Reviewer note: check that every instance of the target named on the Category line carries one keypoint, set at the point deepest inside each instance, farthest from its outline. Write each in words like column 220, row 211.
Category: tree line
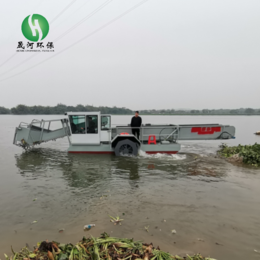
column 240, row 111
column 61, row 109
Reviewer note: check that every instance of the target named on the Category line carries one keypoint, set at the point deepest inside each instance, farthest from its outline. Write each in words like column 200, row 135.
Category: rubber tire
column 129, row 143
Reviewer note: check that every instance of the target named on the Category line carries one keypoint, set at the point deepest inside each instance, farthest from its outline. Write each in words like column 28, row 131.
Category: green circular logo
column 35, row 27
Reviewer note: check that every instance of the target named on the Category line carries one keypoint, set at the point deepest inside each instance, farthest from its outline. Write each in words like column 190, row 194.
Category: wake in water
column 162, row 155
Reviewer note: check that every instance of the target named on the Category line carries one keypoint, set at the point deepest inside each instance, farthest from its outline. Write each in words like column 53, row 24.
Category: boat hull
column 171, row 148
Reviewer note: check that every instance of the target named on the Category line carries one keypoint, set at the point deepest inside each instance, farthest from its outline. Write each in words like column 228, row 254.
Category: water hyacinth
column 104, row 247
column 116, row 220
column 249, row 154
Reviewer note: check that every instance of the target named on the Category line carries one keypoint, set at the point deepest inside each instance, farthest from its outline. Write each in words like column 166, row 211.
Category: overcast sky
column 164, row 54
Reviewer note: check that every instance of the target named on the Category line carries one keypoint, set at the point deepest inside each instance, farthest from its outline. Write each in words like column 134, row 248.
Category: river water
column 213, row 205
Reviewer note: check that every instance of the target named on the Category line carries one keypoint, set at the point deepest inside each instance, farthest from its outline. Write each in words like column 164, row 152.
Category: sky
column 162, row 54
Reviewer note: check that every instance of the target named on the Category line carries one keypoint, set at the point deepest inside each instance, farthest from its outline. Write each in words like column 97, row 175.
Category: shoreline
column 103, row 247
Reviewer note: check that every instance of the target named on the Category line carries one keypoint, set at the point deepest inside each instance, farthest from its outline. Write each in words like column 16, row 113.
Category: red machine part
column 124, row 134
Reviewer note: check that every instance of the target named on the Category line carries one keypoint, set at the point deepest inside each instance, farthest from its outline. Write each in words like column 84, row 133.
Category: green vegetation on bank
column 248, row 154
column 61, row 109
column 105, row 247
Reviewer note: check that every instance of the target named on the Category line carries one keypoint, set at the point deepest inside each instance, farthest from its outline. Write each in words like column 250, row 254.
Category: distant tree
column 80, row 108
column 21, row 110
column 13, row 111
column 234, row 111
column 249, row 111
column 195, row 111
column 4, row 110
column 59, row 109
column 205, row 111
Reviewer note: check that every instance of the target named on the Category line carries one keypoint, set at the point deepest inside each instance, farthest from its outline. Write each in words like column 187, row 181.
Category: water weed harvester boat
column 92, row 132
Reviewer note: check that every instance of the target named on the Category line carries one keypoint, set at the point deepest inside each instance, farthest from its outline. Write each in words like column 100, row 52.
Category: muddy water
column 214, row 206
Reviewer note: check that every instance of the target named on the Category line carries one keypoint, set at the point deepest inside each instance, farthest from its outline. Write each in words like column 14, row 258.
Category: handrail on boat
column 174, row 133
column 23, row 124
column 170, row 126
column 51, row 120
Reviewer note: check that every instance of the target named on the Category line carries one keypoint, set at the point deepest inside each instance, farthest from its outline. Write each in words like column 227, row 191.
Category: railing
column 174, row 134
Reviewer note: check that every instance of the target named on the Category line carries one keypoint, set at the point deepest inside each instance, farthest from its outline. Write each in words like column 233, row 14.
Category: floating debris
column 61, row 230
column 248, row 154
column 35, row 221
column 89, row 226
column 146, row 229
column 174, row 231
column 104, row 247
column 199, row 239
column 116, row 220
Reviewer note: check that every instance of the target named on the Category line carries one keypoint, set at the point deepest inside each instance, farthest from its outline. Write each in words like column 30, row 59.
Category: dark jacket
column 136, row 121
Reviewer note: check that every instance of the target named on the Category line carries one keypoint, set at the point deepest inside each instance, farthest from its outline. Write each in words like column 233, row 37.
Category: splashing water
column 162, row 155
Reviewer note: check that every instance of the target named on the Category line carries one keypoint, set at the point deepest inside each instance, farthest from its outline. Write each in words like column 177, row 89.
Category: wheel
column 126, row 147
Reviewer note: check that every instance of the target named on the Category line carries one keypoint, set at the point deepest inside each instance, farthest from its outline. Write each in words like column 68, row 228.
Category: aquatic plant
column 104, row 247
column 249, row 154
column 116, row 220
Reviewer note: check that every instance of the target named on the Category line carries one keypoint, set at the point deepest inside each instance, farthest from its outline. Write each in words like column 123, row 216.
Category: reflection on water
column 198, row 195
column 81, row 171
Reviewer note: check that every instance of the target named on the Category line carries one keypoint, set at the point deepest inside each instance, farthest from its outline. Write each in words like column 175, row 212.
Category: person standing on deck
column 136, row 122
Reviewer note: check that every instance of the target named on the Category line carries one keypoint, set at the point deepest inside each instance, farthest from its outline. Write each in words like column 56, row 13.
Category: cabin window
column 78, row 124
column 92, row 124
column 105, row 123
